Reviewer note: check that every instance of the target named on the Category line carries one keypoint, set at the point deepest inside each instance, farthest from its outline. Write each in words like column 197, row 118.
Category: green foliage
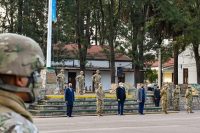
column 138, row 25
column 32, row 20
column 151, row 75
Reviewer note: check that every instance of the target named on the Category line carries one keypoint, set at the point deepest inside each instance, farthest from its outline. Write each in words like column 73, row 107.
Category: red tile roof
column 168, row 63
column 94, row 52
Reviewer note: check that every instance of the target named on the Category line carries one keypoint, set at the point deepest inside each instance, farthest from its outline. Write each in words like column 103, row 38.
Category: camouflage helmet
column 19, row 55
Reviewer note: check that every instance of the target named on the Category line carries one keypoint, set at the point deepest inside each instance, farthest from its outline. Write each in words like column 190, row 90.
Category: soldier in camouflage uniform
column 61, row 80
column 189, row 98
column 81, row 81
column 96, row 78
column 21, row 58
column 99, row 98
column 164, row 98
column 176, row 98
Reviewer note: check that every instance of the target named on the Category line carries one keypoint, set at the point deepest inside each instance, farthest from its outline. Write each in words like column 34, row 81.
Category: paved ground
column 149, row 123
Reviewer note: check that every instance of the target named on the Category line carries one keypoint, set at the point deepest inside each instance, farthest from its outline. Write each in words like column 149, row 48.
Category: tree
column 192, row 32
column 168, row 22
column 151, row 75
column 113, row 8
column 134, row 32
column 25, row 17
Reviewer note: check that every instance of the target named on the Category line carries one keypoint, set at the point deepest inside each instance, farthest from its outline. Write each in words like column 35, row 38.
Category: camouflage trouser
column 99, row 107
column 80, row 89
column 96, row 86
column 189, row 105
column 61, row 86
column 164, row 105
column 176, row 104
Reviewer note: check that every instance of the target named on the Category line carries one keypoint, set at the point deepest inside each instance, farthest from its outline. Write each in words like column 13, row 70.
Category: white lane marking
column 107, row 129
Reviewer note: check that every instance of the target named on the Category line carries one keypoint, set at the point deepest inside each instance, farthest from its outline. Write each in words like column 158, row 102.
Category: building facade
column 187, row 67
column 97, row 59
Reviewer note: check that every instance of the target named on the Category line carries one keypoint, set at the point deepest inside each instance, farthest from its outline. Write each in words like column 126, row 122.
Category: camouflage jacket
column 176, row 93
column 96, row 78
column 80, row 79
column 164, row 94
column 188, row 94
column 99, row 94
column 13, row 116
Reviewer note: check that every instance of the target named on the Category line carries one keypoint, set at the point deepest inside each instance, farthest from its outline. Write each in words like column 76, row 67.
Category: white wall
column 186, row 60
column 88, row 79
column 129, row 78
column 105, row 75
column 106, row 80
column 94, row 63
column 123, row 64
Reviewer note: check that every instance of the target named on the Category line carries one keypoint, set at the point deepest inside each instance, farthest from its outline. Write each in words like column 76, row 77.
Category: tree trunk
column 141, row 55
column 134, row 52
column 78, row 33
column 111, row 39
column 197, row 59
column 20, row 10
column 176, row 49
column 102, row 29
column 135, row 65
column 87, row 36
column 12, row 10
column 112, row 62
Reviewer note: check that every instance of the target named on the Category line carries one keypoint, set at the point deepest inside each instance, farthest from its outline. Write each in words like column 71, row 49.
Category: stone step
column 106, row 105
column 87, row 106
column 90, row 111
column 82, row 101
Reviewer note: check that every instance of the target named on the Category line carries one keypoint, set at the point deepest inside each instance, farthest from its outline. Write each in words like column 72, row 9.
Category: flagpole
column 49, row 34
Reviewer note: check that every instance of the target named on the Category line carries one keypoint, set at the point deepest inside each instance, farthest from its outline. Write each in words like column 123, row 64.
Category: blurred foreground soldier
column 99, row 98
column 69, row 98
column 164, row 98
column 157, row 96
column 81, row 81
column 121, row 97
column 141, row 96
column 61, row 80
column 176, row 98
column 189, row 98
column 21, row 59
column 96, row 78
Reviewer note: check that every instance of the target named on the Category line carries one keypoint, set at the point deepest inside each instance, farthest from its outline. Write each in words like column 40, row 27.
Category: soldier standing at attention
column 21, row 59
column 61, row 80
column 176, row 97
column 81, row 81
column 164, row 98
column 189, row 98
column 99, row 98
column 96, row 78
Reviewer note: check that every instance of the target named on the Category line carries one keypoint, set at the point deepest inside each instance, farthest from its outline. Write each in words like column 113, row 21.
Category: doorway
column 72, row 79
column 185, row 75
